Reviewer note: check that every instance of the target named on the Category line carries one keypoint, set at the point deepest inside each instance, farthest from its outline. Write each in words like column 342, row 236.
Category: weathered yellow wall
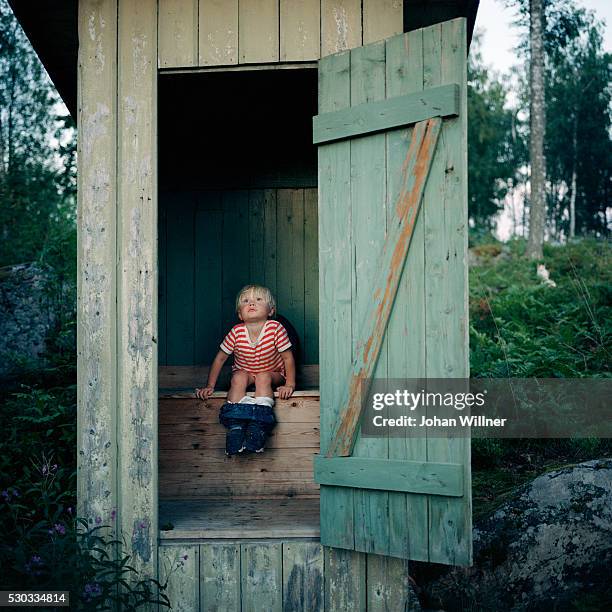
column 230, row 32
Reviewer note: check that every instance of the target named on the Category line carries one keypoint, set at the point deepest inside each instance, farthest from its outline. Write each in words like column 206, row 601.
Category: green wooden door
column 392, row 136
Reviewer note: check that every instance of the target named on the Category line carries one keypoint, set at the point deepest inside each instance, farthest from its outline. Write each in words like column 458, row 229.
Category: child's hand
column 286, row 391
column 204, row 393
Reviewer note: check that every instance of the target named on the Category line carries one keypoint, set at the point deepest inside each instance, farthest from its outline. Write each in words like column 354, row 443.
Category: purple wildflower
column 6, row 495
column 98, row 520
column 59, row 528
column 92, row 590
column 35, row 559
column 185, row 557
column 142, row 525
column 113, row 514
column 69, row 510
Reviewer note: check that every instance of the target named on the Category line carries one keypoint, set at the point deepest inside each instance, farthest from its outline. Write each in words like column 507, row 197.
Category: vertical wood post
column 96, row 278
column 137, row 279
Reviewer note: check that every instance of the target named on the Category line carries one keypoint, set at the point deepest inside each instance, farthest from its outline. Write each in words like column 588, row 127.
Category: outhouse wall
column 121, row 45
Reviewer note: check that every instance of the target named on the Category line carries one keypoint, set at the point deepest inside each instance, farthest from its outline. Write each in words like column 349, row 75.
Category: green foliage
column 43, row 545
column 37, row 158
column 496, row 150
column 520, row 327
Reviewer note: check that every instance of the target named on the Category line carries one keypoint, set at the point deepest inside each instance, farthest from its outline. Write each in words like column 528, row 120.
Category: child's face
column 253, row 308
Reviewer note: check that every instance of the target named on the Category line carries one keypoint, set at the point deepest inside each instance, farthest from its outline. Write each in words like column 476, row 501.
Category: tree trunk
column 537, row 211
column 572, row 211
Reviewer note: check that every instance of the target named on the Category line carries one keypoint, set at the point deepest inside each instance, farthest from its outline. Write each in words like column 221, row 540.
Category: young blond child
column 262, row 357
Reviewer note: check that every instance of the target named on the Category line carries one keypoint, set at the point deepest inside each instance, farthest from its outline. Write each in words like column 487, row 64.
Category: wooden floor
column 239, row 518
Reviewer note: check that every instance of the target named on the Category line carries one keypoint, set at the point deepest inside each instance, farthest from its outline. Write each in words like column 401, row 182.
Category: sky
column 500, row 36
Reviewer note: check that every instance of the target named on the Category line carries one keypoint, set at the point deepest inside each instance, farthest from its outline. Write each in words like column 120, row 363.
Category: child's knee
column 240, row 379
column 263, row 378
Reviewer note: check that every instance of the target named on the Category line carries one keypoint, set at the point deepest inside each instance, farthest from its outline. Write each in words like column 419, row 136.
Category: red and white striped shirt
column 263, row 355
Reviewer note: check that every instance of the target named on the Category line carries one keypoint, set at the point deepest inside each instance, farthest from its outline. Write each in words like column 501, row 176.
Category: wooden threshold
column 239, row 518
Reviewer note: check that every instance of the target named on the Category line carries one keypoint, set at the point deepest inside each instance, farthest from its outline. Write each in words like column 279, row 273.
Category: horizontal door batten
column 386, row 114
column 389, row 475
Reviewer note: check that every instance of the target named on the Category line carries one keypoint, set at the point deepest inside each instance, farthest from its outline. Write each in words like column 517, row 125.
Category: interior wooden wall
column 230, row 32
column 212, row 243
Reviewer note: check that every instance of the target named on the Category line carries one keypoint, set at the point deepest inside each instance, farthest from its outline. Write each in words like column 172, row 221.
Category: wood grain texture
column 340, row 25
column 368, row 219
column 365, row 473
column 179, row 565
column 259, row 31
column 220, row 577
column 382, row 19
column 137, row 280
column 345, row 579
column 447, row 330
column 303, row 584
column 178, row 33
column 218, row 32
column 96, row 276
column 311, row 278
column 262, row 583
column 406, row 328
column 388, row 584
column 335, row 297
column 300, row 30
column 386, row 114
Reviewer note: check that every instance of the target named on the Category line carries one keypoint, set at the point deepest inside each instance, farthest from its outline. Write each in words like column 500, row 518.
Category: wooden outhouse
column 200, row 170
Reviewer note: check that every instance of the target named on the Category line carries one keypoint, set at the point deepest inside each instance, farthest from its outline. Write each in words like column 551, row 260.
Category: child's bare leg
column 240, row 381
column 264, row 381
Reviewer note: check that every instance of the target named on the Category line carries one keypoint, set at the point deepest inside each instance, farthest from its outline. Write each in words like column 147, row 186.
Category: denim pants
column 255, row 423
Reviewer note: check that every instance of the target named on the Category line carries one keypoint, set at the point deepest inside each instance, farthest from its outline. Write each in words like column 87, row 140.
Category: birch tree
column 537, row 117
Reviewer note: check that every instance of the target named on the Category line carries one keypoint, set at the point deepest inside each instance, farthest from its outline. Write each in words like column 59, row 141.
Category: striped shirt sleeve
column 281, row 339
column 229, row 342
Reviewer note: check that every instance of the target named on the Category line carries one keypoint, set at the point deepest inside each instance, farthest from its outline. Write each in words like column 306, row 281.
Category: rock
column 27, row 315
column 549, row 546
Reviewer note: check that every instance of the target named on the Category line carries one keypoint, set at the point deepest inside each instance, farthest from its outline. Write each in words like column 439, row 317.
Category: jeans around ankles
column 258, row 420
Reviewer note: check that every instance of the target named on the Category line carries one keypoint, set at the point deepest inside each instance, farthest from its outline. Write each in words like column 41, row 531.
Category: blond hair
column 258, row 291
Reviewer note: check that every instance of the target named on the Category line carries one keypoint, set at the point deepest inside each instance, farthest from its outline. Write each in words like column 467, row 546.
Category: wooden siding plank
column 179, row 565
column 446, row 294
column 388, row 585
column 365, row 473
column 235, row 253
column 215, row 460
column 270, row 262
column 290, row 260
column 137, row 282
column 408, row 513
column 208, row 278
column 258, row 33
column 340, row 25
column 300, row 409
column 387, row 114
column 218, row 32
column 382, row 19
column 392, row 258
column 180, row 279
column 178, row 33
column 300, row 30
column 257, row 242
column 303, row 584
column 311, row 278
column 262, row 583
column 285, row 435
column 219, row 577
column 368, row 219
column 162, row 272
column 345, row 579
column 337, row 522
column 96, row 260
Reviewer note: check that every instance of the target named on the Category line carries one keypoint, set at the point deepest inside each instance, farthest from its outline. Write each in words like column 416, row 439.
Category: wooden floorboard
column 233, row 518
